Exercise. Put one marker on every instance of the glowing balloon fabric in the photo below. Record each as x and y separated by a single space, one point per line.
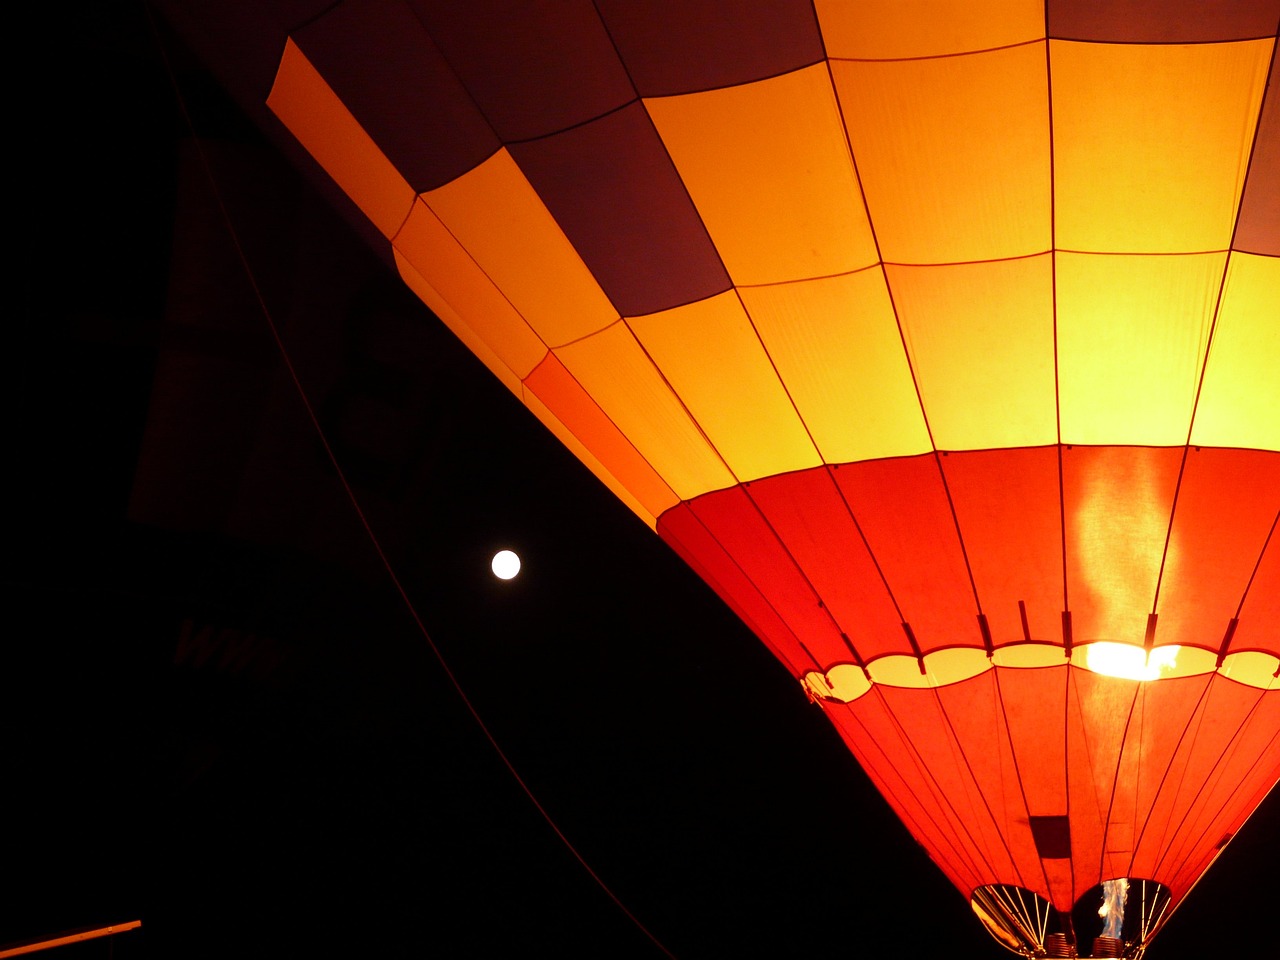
940 338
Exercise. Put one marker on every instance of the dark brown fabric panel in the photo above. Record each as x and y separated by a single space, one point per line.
384 67
1162 21
693 45
534 68
615 193
1259 228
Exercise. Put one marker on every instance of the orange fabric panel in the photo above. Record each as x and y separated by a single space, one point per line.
835 343
981 343
613 368
1151 142
498 219
1132 334
587 456
306 104
441 308
458 281
968 178
1240 400
551 383
738 150
711 356
893 29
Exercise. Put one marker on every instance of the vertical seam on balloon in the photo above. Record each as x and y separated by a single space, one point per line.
897 319
1017 769
1053 284
1138 690
999 826
1213 325
1257 565
939 796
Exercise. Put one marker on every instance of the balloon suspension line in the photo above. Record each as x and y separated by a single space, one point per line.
359 511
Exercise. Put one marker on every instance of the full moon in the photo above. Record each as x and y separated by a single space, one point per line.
505 564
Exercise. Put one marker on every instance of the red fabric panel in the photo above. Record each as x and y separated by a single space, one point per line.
1169 836
1228 783
889 781
1258 229
975 716
871 723
738 526
693 45
924 723
807 513
1226 505
1157 727
686 534
382 65
1104 817
615 193
1162 21
1118 504
1007 505
1034 702
902 508
534 68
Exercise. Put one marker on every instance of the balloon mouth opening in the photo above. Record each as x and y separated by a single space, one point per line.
1116 918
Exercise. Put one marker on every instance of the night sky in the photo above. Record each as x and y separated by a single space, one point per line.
219 713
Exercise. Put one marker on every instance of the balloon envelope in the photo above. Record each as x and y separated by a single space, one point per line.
941 343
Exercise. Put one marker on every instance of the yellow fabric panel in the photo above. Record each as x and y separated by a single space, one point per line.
713 359
1132 331
1240 400
835 343
890 29
453 275
307 105
968 178
574 446
980 336
496 216
768 168
441 308
1151 142
613 368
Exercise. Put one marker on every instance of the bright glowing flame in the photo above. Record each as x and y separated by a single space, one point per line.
505 565
1128 662
1114 895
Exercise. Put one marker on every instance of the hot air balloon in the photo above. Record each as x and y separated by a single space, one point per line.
941 339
